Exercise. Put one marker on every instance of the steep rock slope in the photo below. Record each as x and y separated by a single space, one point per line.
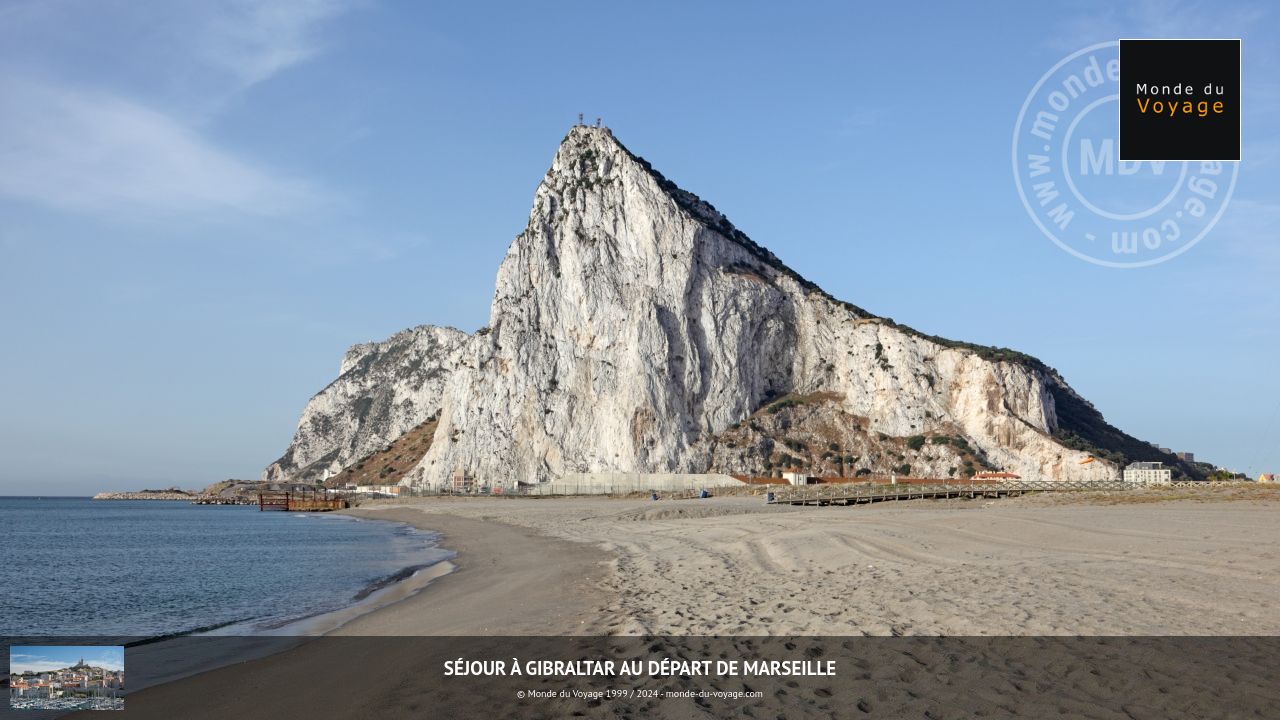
633 328
383 390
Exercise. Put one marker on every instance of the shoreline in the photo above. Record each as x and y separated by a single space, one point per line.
1023 572
1031 566
381 592
498 574
178 656
453 534
503 580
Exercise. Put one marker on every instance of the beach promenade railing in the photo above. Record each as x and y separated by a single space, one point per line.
859 493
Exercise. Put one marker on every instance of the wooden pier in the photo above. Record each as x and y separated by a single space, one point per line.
303 501
862 493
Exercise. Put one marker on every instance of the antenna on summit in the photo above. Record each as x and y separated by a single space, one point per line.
597 122
580 119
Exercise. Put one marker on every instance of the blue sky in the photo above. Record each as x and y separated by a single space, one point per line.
202 204
41 658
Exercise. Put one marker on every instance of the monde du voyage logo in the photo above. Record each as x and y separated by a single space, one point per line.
1124 153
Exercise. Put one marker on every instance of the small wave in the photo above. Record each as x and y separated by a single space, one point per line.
193 631
391 579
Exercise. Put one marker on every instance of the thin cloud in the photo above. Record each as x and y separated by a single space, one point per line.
256 40
128 145
83 150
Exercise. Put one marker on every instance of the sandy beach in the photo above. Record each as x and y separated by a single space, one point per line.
505 583
1202 565
1029 566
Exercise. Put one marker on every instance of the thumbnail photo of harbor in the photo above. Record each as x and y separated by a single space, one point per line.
66 677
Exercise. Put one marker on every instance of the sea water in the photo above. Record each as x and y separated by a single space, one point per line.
75 566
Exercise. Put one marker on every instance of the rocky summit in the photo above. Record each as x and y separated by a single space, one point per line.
635 329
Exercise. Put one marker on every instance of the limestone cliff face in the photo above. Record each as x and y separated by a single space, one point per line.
633 328
383 390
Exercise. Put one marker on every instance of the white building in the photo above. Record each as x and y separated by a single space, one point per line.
380 490
795 477
1148 473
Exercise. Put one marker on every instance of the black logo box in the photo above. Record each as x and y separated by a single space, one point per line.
1186 67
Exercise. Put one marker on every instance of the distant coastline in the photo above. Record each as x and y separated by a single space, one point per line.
170 494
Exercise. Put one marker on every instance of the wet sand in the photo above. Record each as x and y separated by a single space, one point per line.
507 581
